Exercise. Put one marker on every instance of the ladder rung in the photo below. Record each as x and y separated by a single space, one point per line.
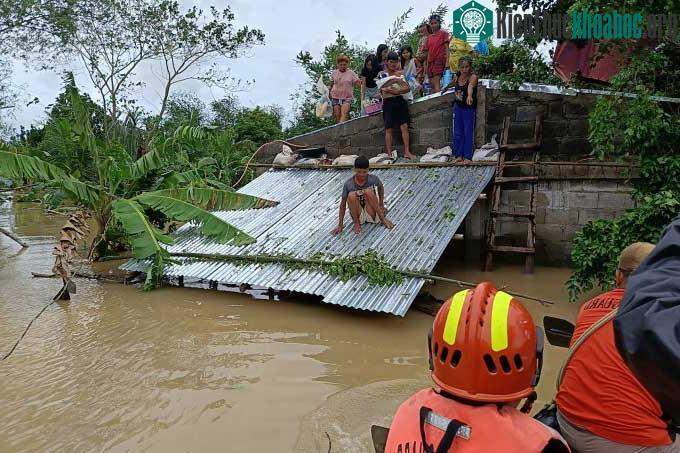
503 179
528 215
508 248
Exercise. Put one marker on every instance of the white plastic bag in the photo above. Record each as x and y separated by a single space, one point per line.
285 157
324 109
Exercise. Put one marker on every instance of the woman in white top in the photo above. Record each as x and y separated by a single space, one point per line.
409 68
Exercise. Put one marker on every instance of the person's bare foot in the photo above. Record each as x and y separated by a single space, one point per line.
410 156
459 160
357 229
388 224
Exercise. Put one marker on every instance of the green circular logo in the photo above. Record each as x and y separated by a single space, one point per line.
473 22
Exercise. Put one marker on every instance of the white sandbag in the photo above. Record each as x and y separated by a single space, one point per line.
437 155
285 157
445 151
434 158
384 158
308 161
488 152
345 159
485 155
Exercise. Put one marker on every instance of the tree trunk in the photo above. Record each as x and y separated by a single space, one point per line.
98 237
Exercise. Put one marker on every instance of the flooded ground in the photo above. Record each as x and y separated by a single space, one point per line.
182 370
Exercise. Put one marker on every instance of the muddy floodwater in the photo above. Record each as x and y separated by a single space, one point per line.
188 370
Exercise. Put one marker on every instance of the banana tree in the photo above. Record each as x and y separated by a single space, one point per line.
125 191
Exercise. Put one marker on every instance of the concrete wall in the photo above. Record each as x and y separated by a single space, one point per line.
568 196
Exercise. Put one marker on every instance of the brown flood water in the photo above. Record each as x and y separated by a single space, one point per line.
183 370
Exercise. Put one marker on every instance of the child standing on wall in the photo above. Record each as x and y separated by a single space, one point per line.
424 31
437 52
394 90
343 81
464 110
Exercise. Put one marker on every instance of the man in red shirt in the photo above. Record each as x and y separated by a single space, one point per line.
437 53
602 407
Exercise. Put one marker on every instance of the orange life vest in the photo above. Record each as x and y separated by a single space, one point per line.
448 425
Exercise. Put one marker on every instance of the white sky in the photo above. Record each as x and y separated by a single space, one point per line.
289 26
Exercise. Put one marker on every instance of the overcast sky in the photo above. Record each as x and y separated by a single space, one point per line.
289 26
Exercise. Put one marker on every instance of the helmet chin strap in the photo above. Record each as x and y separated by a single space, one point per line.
429 349
529 403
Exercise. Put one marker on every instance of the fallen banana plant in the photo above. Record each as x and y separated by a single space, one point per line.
71 233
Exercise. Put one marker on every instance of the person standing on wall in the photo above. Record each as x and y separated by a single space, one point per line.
464 85
381 57
395 90
369 90
601 405
424 31
343 81
437 52
408 67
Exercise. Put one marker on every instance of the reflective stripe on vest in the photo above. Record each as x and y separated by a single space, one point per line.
487 427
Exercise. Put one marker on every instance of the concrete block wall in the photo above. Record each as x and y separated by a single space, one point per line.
565 120
563 207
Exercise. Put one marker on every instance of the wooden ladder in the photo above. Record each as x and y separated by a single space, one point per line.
498 215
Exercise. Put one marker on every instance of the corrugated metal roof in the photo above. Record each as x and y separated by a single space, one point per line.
427 206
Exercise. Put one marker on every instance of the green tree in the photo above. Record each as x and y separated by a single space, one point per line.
184 109
515 62
125 192
224 112
257 125
112 38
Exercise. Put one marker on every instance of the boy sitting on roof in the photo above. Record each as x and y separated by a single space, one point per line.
359 194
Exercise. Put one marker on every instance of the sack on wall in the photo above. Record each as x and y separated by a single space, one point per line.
345 159
285 157
437 155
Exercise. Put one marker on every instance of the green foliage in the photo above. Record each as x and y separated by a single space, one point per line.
185 211
184 109
638 128
257 125
598 245
371 265
515 62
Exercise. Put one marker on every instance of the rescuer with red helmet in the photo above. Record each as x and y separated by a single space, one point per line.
485 355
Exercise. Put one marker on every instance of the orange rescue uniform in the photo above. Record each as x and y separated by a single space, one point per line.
599 393
483 428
